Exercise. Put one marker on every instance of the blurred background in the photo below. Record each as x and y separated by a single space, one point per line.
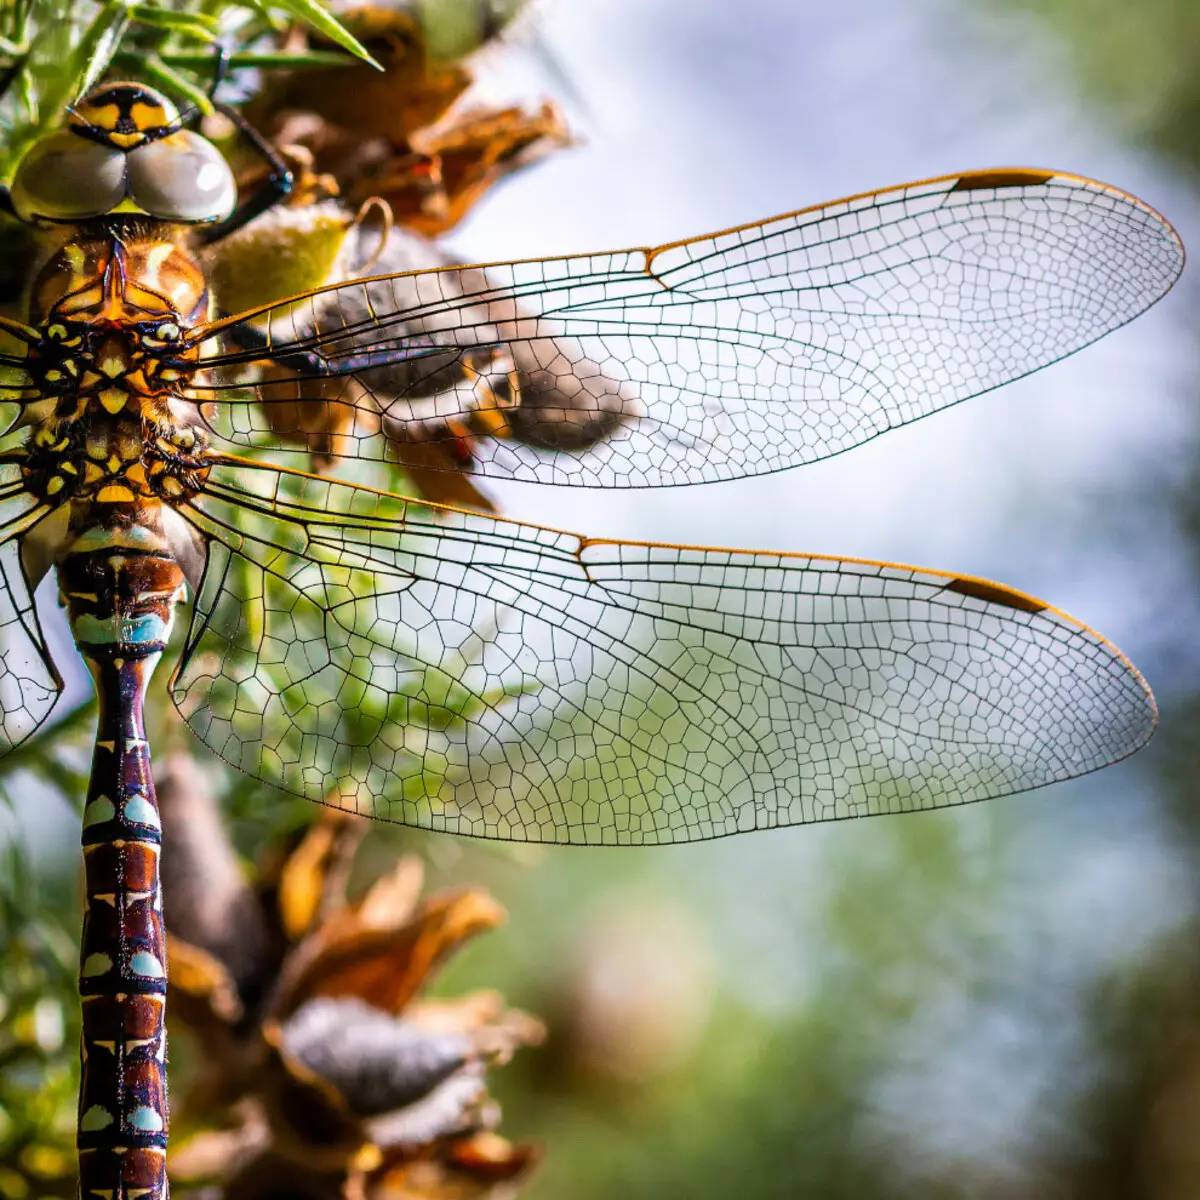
997 1002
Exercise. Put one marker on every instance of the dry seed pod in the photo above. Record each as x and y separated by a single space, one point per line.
339 1075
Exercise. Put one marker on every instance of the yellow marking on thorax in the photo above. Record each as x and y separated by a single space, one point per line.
155 259
115 493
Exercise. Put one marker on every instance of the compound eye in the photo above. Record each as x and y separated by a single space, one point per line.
182 177
65 177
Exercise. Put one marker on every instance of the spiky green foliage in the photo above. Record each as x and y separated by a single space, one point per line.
39 1011
55 49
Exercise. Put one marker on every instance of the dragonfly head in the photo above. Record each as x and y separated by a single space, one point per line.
123 151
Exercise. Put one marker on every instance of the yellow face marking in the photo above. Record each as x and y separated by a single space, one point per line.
92 473
104 116
136 474
89 379
113 464
148 116
55 485
57 332
54 376
69 467
113 365
113 399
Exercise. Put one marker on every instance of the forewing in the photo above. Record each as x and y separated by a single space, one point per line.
500 680
735 354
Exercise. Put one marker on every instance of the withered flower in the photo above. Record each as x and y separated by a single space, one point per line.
403 133
445 169
325 1072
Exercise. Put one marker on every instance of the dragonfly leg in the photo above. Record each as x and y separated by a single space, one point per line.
280 180
278 186
324 364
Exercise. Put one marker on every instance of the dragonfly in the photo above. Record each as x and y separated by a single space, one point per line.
461 672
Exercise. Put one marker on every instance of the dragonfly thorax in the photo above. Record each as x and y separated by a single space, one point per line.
115 460
108 366
115 424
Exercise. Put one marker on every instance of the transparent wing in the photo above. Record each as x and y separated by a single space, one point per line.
506 681
29 682
733 354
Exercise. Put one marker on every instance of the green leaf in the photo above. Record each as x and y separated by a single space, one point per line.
166 18
310 12
160 73
265 60
91 57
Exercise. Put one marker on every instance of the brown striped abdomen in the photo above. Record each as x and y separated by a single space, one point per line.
120 605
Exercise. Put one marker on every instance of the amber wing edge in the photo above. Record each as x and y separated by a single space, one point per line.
960 182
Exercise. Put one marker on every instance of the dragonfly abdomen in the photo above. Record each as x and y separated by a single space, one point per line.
120 604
